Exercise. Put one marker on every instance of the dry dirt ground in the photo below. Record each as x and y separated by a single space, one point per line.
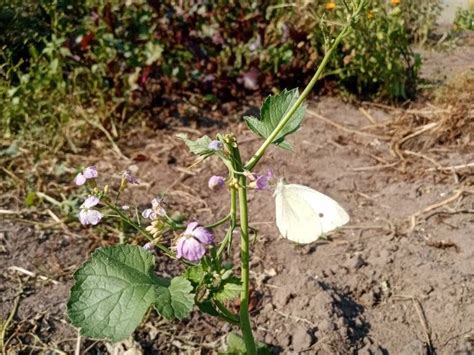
398 279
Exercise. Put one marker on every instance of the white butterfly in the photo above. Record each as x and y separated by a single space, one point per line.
303 214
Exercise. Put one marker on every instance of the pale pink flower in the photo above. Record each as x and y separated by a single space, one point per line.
88 173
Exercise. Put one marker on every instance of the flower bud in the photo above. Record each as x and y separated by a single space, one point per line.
216 182
216 145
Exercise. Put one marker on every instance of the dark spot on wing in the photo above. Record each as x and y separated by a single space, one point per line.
321 215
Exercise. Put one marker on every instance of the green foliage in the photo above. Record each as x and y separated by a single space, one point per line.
273 110
116 286
420 18
73 65
464 19
199 147
236 346
176 300
213 281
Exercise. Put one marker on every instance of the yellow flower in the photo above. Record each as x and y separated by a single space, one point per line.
395 2
370 14
330 5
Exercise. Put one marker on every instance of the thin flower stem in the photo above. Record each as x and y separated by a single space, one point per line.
140 229
259 153
219 222
233 217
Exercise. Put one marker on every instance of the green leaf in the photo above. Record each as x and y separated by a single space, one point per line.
208 307
229 291
194 274
176 301
199 147
273 110
236 345
112 292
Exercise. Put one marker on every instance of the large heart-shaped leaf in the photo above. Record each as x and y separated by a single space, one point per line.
115 288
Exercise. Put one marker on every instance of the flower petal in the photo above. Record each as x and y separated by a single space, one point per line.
90 172
190 227
204 235
91 201
83 217
215 182
148 214
190 249
94 216
80 179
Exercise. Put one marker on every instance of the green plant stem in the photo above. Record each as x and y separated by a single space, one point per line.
245 325
219 222
260 151
230 317
233 219
142 230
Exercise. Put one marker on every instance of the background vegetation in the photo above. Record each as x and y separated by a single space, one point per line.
71 65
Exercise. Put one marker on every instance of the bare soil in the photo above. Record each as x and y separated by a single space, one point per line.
398 279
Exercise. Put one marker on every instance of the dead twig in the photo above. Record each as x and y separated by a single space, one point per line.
451 168
5 325
31 274
422 317
367 115
344 128
434 206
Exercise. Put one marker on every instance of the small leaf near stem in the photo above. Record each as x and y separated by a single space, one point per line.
289 114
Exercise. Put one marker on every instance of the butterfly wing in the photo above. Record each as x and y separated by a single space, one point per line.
295 217
304 214
329 213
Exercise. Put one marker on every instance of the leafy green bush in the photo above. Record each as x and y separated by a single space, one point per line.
464 19
420 18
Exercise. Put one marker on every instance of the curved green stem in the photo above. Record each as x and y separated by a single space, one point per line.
232 318
260 151
219 222
140 229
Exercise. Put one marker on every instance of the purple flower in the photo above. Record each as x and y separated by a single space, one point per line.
216 182
149 246
191 245
190 249
131 179
87 215
216 145
156 209
148 214
88 173
261 182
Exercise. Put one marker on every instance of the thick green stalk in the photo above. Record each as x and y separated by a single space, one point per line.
259 153
245 325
